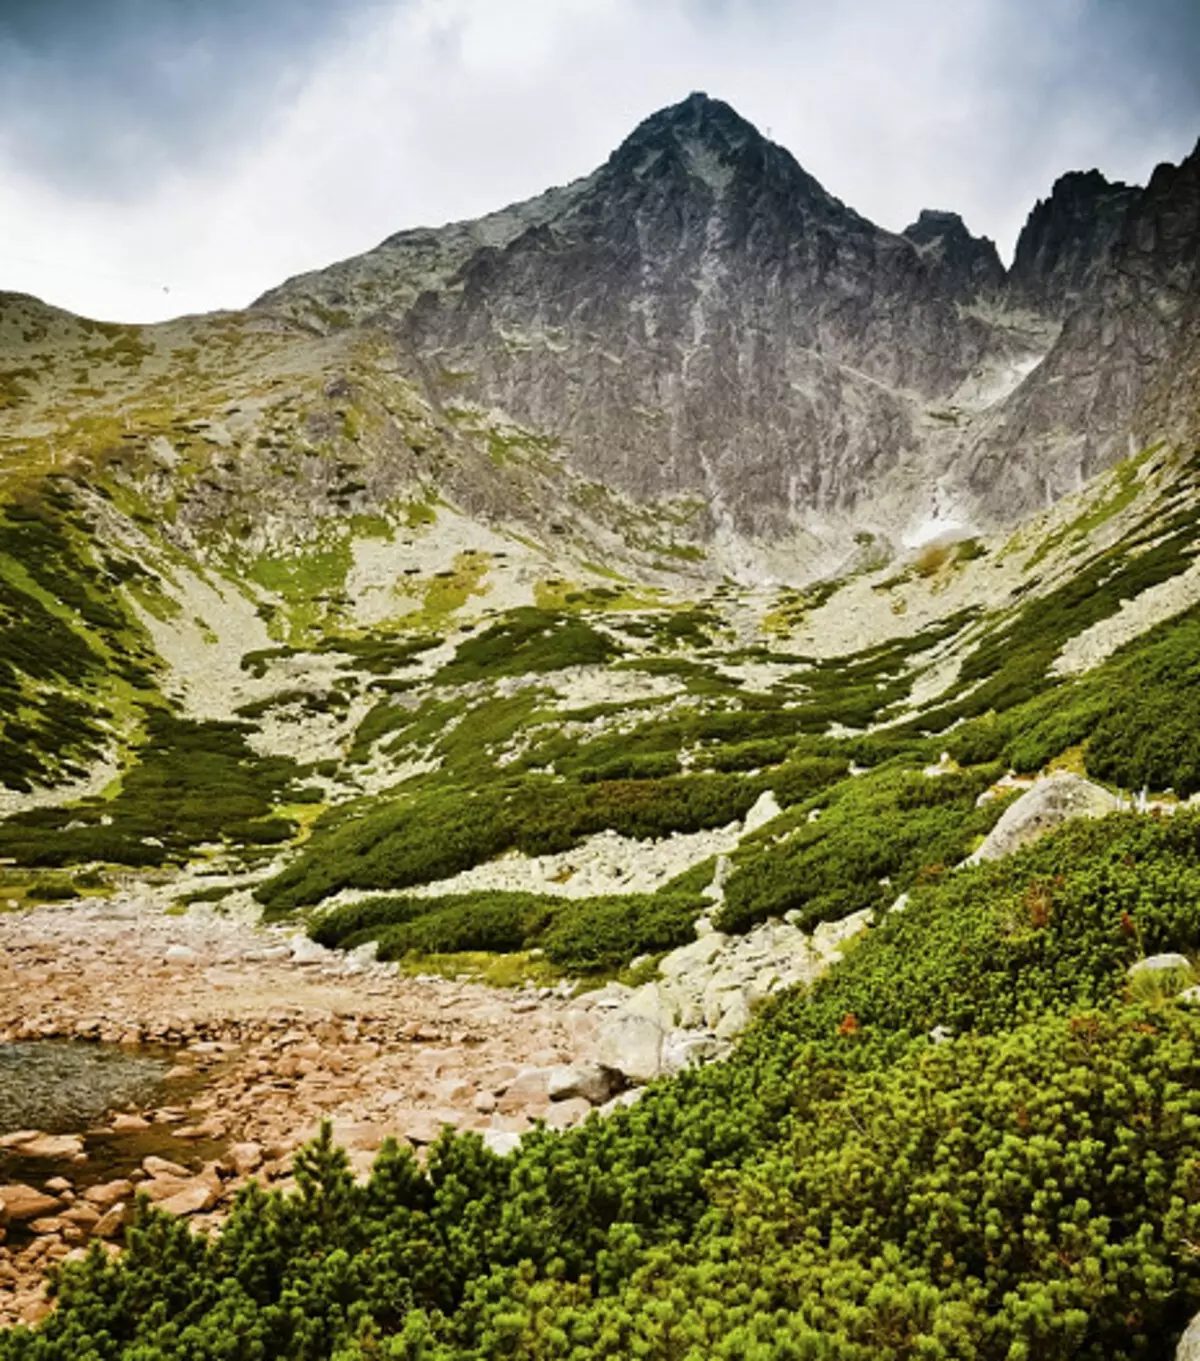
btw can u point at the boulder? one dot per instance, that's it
(423, 1127)
(196, 1196)
(501, 1142)
(1047, 805)
(154, 1166)
(766, 807)
(683, 1049)
(593, 1082)
(1189, 1343)
(19, 1202)
(246, 1158)
(632, 1045)
(113, 1221)
(108, 1193)
(734, 1018)
(1165, 963)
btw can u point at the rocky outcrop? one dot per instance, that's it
(1189, 1343)
(1067, 240)
(967, 266)
(1046, 805)
(706, 994)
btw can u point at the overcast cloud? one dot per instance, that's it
(213, 147)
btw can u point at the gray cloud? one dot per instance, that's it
(105, 95)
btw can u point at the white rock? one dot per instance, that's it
(766, 807)
(631, 1044)
(1159, 964)
(306, 952)
(1189, 1343)
(735, 1018)
(180, 954)
(694, 955)
(684, 1049)
(593, 1082)
(501, 1142)
(1047, 805)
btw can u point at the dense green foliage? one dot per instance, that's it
(194, 783)
(66, 644)
(449, 829)
(858, 845)
(579, 935)
(842, 1188)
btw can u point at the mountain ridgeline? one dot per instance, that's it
(700, 318)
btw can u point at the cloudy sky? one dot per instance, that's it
(162, 156)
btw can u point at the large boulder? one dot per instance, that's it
(632, 1044)
(1048, 805)
(1189, 1343)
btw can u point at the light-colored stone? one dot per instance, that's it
(108, 1193)
(1189, 1343)
(180, 954)
(52, 1146)
(424, 1126)
(129, 1124)
(192, 1199)
(501, 1142)
(113, 1221)
(246, 1158)
(19, 1202)
(1048, 804)
(593, 1082)
(695, 955)
(766, 808)
(631, 1044)
(564, 1114)
(1158, 964)
(155, 1166)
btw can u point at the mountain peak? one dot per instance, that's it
(699, 125)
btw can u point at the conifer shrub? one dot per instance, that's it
(858, 846)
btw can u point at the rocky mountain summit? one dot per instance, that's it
(699, 319)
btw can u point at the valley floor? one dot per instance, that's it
(270, 1035)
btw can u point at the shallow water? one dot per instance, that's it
(65, 1085)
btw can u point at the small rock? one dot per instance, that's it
(129, 1124)
(484, 1102)
(155, 1166)
(180, 954)
(113, 1221)
(198, 1195)
(246, 1158)
(52, 1146)
(564, 1114)
(108, 1193)
(501, 1142)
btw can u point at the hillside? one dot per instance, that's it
(675, 547)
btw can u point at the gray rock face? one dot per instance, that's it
(969, 266)
(700, 321)
(1067, 241)
(1047, 805)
